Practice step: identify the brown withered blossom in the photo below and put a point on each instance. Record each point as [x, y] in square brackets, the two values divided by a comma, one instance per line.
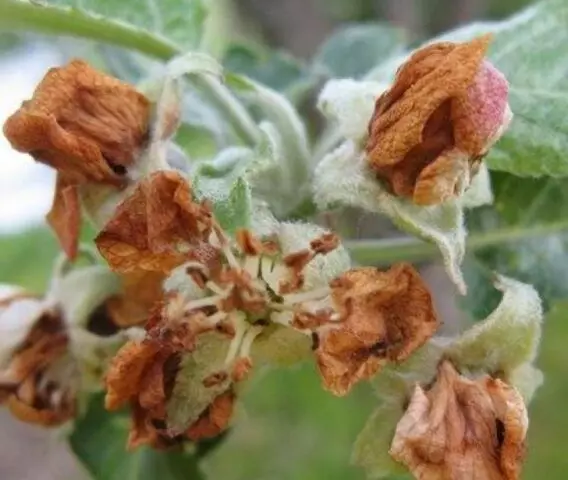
[225, 292]
[460, 429]
[154, 227]
[431, 129]
[43, 364]
[143, 375]
[380, 317]
[86, 125]
[32, 383]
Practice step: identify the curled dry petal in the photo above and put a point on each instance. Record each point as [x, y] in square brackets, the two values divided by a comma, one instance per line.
[140, 292]
[153, 228]
[86, 125]
[29, 385]
[431, 129]
[384, 316]
[215, 419]
[462, 429]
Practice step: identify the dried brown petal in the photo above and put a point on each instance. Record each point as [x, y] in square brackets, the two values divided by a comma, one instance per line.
[152, 228]
[248, 243]
[325, 243]
[126, 372]
[141, 291]
[65, 216]
[215, 419]
[26, 387]
[82, 123]
[42, 415]
[461, 428]
[384, 316]
[413, 123]
[86, 125]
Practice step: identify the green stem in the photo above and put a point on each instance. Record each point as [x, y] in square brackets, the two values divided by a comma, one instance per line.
[52, 20]
[409, 249]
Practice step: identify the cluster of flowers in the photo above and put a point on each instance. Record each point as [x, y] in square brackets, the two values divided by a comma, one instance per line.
[185, 312]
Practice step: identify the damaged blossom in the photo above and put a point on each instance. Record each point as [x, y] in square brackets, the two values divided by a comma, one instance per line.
[181, 377]
[380, 317]
[431, 129]
[461, 428]
[55, 348]
[89, 127]
[46, 361]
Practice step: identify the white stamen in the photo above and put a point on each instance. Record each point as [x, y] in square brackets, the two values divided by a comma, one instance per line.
[273, 277]
[241, 326]
[300, 297]
[203, 302]
[230, 256]
[196, 266]
[251, 265]
[226, 248]
[217, 317]
[249, 337]
[217, 289]
[282, 318]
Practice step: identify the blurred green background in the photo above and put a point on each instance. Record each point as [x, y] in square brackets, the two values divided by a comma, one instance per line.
[291, 428]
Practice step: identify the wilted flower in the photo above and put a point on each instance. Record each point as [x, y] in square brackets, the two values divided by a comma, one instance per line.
[461, 428]
[380, 317]
[37, 383]
[55, 348]
[47, 361]
[180, 378]
[89, 127]
[431, 129]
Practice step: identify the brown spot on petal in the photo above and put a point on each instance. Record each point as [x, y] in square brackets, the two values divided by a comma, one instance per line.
[86, 125]
[460, 428]
[422, 117]
[153, 227]
[325, 243]
[384, 316]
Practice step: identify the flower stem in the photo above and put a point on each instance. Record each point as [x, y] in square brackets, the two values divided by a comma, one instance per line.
[54, 20]
[412, 250]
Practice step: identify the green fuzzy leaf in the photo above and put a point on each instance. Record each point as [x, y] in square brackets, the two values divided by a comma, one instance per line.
[230, 195]
[371, 449]
[189, 396]
[281, 346]
[285, 139]
[393, 385]
[275, 69]
[178, 20]
[531, 205]
[99, 441]
[508, 337]
[355, 49]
